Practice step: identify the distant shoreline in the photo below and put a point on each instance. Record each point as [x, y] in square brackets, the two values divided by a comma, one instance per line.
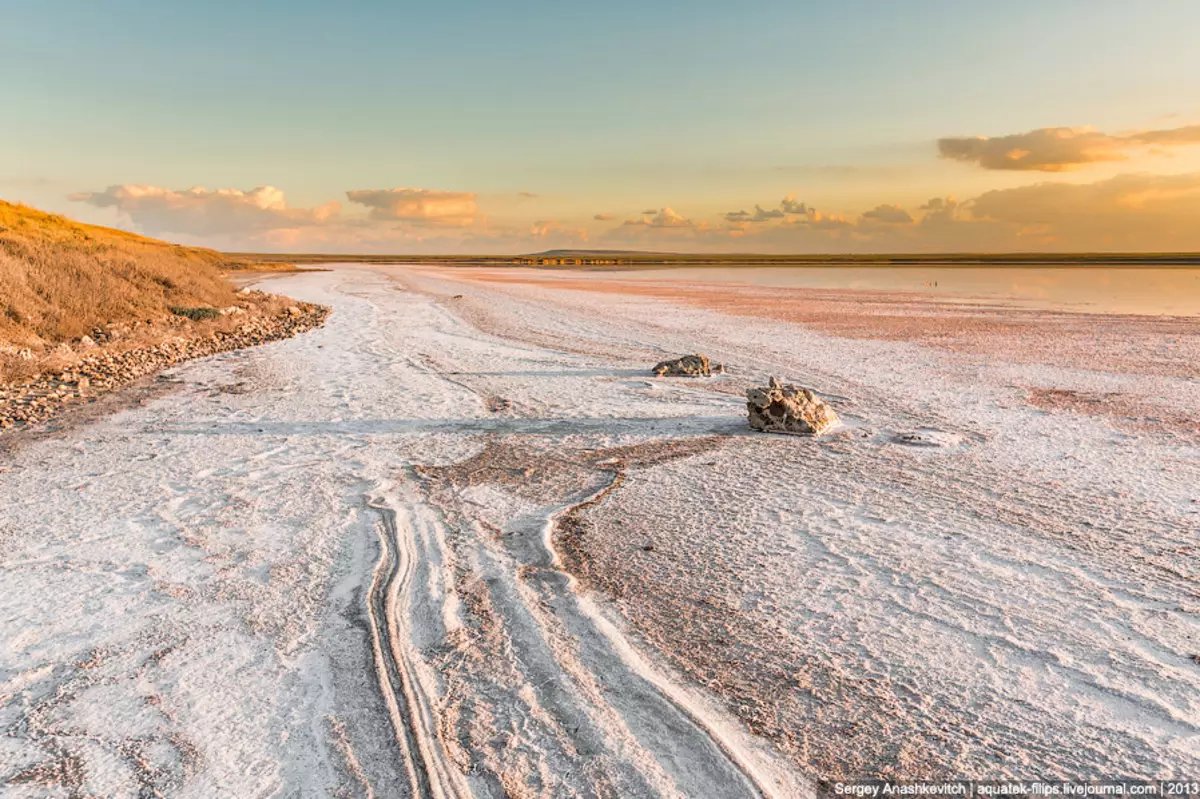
[605, 260]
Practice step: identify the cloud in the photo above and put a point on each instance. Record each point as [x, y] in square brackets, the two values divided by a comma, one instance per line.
[419, 207]
[665, 218]
[940, 210]
[760, 215]
[939, 204]
[1059, 149]
[559, 231]
[1132, 212]
[1129, 212]
[789, 210]
[202, 213]
[789, 205]
[819, 221]
[888, 215]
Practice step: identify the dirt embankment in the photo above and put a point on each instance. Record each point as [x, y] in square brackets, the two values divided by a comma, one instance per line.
[85, 310]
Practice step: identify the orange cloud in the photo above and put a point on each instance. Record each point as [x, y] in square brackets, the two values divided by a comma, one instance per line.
[200, 212]
[1133, 212]
[420, 207]
[1060, 149]
[1128, 212]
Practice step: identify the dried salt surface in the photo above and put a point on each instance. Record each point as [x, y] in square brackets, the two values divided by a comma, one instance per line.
[347, 576]
[963, 582]
[1143, 345]
[263, 591]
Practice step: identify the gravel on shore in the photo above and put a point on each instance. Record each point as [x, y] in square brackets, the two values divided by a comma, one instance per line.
[94, 376]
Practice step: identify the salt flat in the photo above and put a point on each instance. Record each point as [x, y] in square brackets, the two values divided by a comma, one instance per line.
[464, 545]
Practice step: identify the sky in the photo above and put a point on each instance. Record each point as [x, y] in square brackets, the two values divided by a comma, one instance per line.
[484, 127]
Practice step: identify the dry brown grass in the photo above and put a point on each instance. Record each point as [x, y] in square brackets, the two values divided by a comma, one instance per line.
[59, 279]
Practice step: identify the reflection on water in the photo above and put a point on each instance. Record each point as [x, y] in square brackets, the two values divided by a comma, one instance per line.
[1110, 290]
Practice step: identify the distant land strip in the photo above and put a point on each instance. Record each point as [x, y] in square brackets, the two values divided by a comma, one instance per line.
[635, 260]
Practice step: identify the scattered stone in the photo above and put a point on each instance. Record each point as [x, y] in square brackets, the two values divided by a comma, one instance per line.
[788, 409]
[293, 311]
[86, 343]
[688, 366]
[232, 310]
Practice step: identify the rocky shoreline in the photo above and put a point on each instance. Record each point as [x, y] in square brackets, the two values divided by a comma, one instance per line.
[95, 376]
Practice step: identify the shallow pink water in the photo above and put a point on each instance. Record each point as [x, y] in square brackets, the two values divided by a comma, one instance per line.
[1130, 290]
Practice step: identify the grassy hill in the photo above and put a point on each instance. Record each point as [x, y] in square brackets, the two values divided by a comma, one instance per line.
[59, 279]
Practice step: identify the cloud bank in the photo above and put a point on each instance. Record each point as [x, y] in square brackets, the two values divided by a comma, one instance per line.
[1134, 212]
[202, 213]
[1148, 212]
[1059, 149]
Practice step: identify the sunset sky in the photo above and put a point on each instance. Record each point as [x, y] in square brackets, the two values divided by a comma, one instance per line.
[687, 126]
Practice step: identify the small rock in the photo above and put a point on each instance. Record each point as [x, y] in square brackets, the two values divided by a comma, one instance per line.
[688, 366]
[788, 409]
[86, 342]
[294, 311]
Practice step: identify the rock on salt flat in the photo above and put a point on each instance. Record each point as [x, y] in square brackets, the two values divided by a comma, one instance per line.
[687, 366]
[788, 409]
